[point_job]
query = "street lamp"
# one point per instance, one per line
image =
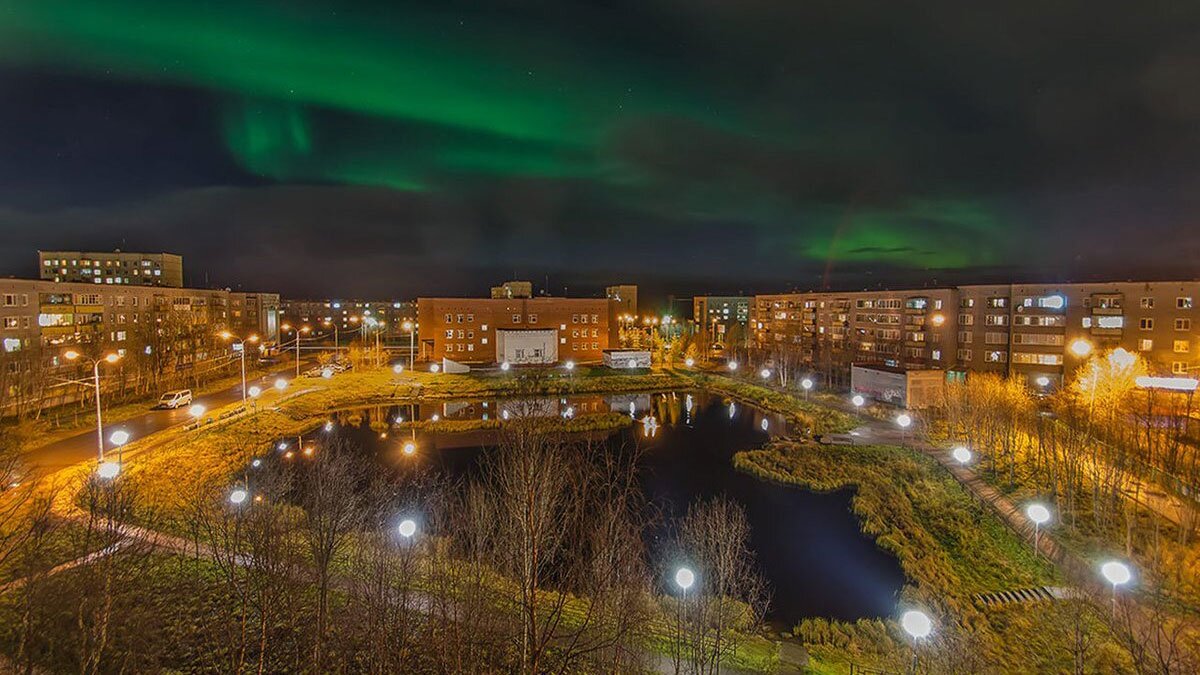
(807, 385)
(904, 421)
(569, 365)
(1081, 348)
(505, 366)
(197, 411)
(858, 400)
(1039, 515)
(255, 392)
(1042, 381)
(918, 625)
(240, 347)
(281, 384)
(407, 528)
(119, 438)
(409, 447)
(733, 365)
(110, 359)
(238, 496)
(398, 368)
(684, 578)
(961, 455)
(1117, 574)
(298, 330)
(765, 374)
(410, 328)
(108, 470)
(689, 362)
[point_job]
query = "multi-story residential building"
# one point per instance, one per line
(396, 317)
(112, 268)
(520, 330)
(718, 316)
(625, 296)
(1039, 331)
(255, 313)
(166, 336)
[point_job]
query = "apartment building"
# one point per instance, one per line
(1039, 331)
(120, 268)
(348, 315)
(513, 289)
(899, 329)
(255, 313)
(542, 330)
(165, 335)
(716, 316)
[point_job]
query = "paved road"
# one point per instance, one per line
(67, 452)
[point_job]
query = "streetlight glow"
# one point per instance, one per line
(197, 411)
(505, 366)
(238, 496)
(1116, 573)
(108, 470)
(858, 400)
(733, 365)
(409, 448)
(1038, 514)
(689, 362)
(806, 383)
(1081, 347)
(961, 455)
(684, 578)
(917, 624)
(764, 373)
(408, 528)
(569, 365)
(281, 384)
(255, 392)
(398, 368)
(119, 437)
(904, 420)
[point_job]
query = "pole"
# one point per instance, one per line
(297, 352)
(99, 423)
(243, 350)
(1036, 550)
(411, 352)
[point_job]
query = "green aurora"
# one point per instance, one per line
(432, 102)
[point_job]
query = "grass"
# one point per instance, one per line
(949, 546)
(819, 417)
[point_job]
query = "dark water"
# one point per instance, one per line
(808, 545)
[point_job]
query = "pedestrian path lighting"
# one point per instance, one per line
(505, 366)
(108, 470)
(904, 421)
(858, 400)
(961, 454)
(1040, 515)
(733, 365)
(689, 362)
(918, 625)
(281, 384)
(1118, 574)
(409, 447)
(119, 438)
(684, 578)
(1081, 348)
(569, 365)
(110, 359)
(197, 411)
(765, 374)
(238, 496)
(806, 384)
(407, 528)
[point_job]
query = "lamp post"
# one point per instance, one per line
(410, 328)
(119, 438)
(335, 334)
(240, 346)
(407, 528)
(807, 385)
(904, 421)
(108, 358)
(684, 578)
(961, 455)
(1038, 514)
(858, 400)
(1117, 574)
(919, 626)
(298, 330)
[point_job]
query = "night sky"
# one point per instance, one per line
(397, 148)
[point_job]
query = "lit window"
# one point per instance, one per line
(1145, 345)
(1181, 346)
(1183, 302)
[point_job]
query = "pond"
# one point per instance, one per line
(808, 545)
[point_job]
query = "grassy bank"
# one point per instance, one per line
(949, 546)
(810, 413)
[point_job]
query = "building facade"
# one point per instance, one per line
(513, 289)
(717, 316)
(165, 336)
(348, 315)
(625, 296)
(255, 314)
(121, 268)
(1041, 332)
(479, 330)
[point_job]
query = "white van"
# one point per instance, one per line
(175, 399)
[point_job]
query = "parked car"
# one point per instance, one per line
(175, 399)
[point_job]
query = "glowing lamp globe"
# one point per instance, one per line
(238, 496)
(917, 624)
(408, 528)
(119, 437)
(689, 362)
(197, 411)
(733, 365)
(398, 368)
(684, 578)
(806, 383)
(108, 470)
(281, 384)
(1038, 513)
(409, 448)
(961, 455)
(904, 420)
(1116, 573)
(858, 400)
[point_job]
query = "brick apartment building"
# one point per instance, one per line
(321, 315)
(1033, 330)
(542, 330)
(164, 335)
(121, 268)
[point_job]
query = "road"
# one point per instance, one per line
(67, 452)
